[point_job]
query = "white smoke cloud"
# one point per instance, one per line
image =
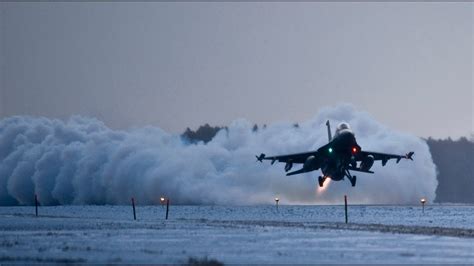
(81, 161)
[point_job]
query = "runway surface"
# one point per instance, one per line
(238, 234)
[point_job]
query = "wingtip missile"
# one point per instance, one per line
(260, 157)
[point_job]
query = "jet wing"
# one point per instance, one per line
(384, 157)
(288, 158)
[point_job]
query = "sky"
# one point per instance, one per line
(178, 65)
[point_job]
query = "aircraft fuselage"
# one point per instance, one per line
(341, 152)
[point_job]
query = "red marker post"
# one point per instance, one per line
(36, 205)
(345, 206)
(167, 208)
(133, 206)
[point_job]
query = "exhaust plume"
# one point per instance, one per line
(81, 161)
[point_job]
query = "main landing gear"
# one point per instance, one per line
(321, 181)
(351, 178)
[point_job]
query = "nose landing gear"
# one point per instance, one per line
(352, 178)
(353, 181)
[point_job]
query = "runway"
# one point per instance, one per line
(238, 234)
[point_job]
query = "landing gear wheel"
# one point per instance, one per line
(321, 181)
(353, 181)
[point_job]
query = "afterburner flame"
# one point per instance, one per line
(325, 186)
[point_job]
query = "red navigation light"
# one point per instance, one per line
(354, 150)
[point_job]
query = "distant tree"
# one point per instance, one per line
(255, 128)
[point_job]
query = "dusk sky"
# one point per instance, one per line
(178, 65)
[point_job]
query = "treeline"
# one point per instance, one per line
(203, 133)
(206, 133)
(454, 160)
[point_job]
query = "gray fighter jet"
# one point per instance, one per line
(335, 159)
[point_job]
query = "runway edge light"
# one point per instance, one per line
(423, 201)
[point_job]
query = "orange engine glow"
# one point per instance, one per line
(325, 186)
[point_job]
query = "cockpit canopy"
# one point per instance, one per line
(342, 127)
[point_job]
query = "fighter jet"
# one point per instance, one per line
(337, 158)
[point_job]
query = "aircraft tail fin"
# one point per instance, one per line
(329, 131)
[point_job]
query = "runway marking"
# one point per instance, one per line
(403, 229)
(383, 228)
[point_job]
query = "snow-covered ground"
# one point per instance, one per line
(238, 234)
